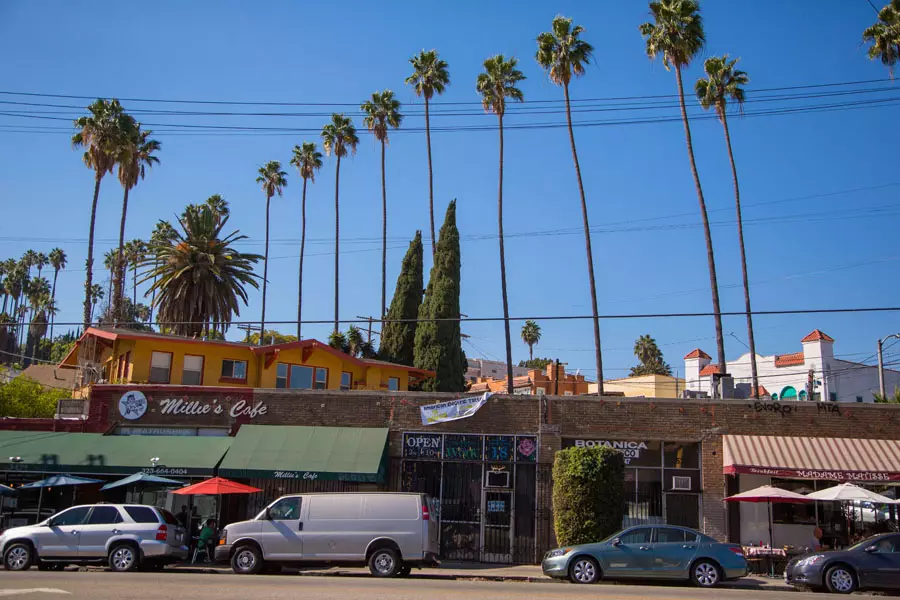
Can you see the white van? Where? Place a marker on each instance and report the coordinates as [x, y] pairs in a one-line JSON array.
[[389, 532]]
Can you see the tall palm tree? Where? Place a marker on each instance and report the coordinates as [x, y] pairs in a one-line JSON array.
[[58, 262], [338, 138], [164, 233], [382, 112], [308, 161], [219, 204], [111, 264], [562, 54], [429, 76], [496, 84], [29, 259], [273, 180], [40, 261], [101, 134], [135, 253], [136, 155], [531, 335], [678, 36], [96, 296], [885, 36], [199, 275], [723, 83]]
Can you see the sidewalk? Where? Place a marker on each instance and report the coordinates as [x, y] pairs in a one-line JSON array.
[[486, 572]]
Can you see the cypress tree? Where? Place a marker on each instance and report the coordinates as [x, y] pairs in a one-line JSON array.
[[398, 335], [438, 343]]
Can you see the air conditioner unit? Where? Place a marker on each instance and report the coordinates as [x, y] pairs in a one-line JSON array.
[[497, 479], [682, 484]]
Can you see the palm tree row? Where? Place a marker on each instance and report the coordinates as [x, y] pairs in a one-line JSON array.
[[23, 294]]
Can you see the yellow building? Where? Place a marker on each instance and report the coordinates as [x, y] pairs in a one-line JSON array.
[[123, 356], [643, 386]]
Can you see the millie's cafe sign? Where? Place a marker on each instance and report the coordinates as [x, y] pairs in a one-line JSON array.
[[133, 405]]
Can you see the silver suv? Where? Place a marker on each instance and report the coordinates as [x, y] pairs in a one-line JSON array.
[[125, 536]]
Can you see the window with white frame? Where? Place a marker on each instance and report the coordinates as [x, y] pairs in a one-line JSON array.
[[160, 367], [192, 371], [346, 380]]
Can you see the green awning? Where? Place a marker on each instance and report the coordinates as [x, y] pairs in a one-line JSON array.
[[93, 453], [283, 452]]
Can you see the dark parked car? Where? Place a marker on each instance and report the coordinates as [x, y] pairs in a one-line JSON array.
[[649, 552], [873, 563]]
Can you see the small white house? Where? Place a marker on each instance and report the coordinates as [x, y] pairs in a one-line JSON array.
[[788, 376]]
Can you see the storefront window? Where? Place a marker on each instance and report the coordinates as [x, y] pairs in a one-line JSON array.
[[678, 455], [797, 514]]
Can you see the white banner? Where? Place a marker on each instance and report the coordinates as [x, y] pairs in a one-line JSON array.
[[453, 410]]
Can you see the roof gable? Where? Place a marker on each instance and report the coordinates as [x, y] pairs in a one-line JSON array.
[[697, 353], [817, 335]]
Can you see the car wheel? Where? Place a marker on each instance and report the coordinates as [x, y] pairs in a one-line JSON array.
[[584, 570], [705, 574], [385, 562], [123, 558], [839, 579], [404, 571], [247, 560], [18, 557]]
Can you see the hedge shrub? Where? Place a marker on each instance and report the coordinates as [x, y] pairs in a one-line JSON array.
[[588, 494]]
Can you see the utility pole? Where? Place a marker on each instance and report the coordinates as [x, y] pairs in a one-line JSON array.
[[248, 328], [369, 319]]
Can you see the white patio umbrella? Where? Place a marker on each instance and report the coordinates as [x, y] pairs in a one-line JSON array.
[[849, 492]]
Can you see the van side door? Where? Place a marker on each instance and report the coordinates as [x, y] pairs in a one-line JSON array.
[[281, 531], [334, 529]]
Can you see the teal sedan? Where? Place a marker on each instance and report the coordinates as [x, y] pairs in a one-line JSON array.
[[649, 552]]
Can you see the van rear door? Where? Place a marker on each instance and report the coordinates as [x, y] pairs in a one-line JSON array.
[[430, 518]]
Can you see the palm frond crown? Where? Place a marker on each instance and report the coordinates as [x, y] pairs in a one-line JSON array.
[[884, 36], [677, 33], [498, 82], [382, 112], [339, 137], [562, 53], [723, 83], [430, 74], [272, 179], [308, 160]]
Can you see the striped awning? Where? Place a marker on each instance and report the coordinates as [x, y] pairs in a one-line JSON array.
[[839, 459]]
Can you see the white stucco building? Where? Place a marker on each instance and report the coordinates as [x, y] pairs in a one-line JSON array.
[[493, 369], [787, 376]]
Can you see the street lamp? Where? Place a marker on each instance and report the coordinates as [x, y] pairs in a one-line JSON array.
[[881, 363]]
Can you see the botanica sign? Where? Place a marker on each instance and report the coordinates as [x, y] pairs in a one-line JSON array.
[[193, 408]]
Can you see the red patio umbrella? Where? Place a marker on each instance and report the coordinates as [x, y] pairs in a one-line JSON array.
[[769, 494], [216, 487]]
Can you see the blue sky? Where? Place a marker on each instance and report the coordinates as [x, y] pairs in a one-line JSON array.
[[809, 246]]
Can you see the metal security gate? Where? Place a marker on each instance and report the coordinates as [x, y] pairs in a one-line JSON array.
[[497, 526]]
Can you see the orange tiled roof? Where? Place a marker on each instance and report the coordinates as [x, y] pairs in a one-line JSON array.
[[710, 370], [763, 391], [818, 335], [696, 353], [790, 360]]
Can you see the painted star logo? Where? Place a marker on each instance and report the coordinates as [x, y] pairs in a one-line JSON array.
[[133, 405]]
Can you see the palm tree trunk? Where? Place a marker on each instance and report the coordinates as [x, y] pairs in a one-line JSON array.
[[383, 236], [53, 299], [337, 239], [598, 356], [430, 179], [710, 258], [509, 370], [134, 287], [302, 248], [113, 274], [89, 262], [530, 352], [754, 379], [262, 319]]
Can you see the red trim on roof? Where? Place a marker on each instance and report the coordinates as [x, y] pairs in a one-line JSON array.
[[710, 370], [818, 335], [304, 344], [697, 353], [790, 360]]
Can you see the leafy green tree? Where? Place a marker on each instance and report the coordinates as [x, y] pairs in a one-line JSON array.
[[102, 134], [588, 494], [131, 316], [62, 345], [430, 76], [308, 161], [888, 399], [724, 83], [338, 341], [271, 337], [338, 138], [136, 155], [650, 357], [884, 36], [398, 333], [536, 363], [438, 341], [201, 278], [58, 262], [382, 112], [495, 85], [531, 335], [677, 35], [562, 53], [273, 180], [24, 398]]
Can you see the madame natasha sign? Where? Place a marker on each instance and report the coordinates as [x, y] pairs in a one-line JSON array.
[[134, 404]]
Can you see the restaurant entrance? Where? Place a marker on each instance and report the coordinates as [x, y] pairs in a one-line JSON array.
[[484, 488]]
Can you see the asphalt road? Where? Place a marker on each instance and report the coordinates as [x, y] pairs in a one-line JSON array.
[[96, 585]]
